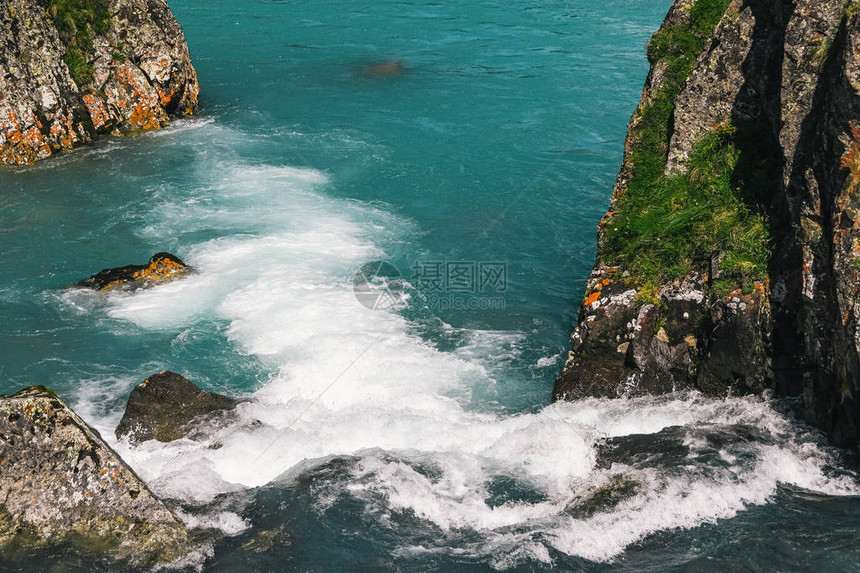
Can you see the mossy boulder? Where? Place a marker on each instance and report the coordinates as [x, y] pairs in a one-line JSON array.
[[165, 407], [61, 484], [161, 267]]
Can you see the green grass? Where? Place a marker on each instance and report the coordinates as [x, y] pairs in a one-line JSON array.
[[79, 22], [665, 226], [683, 219]]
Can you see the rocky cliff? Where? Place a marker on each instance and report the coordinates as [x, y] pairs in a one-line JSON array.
[[729, 260], [73, 69]]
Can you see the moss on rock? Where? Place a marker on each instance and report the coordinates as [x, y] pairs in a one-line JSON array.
[[79, 22], [667, 225]]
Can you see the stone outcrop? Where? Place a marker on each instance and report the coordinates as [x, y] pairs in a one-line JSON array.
[[60, 483], [165, 407], [69, 73], [161, 267], [785, 75]]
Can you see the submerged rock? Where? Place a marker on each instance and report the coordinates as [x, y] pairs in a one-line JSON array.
[[161, 266], [163, 407], [384, 69], [61, 483], [72, 70], [267, 540], [604, 498]]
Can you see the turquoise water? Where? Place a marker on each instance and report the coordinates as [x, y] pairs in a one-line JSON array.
[[418, 437]]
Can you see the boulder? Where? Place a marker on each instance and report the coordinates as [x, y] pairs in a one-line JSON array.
[[60, 483], [161, 266], [163, 407]]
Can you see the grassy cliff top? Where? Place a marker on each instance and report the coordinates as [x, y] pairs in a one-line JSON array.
[[667, 225]]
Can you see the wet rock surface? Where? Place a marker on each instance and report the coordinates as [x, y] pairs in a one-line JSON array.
[[60, 483], [603, 498], [161, 267], [135, 74], [678, 446], [166, 407]]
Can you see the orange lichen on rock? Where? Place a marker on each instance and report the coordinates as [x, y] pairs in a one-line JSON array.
[[192, 93], [62, 132], [166, 96], [592, 298], [138, 107], [851, 158], [161, 266], [21, 139], [96, 108], [159, 269]]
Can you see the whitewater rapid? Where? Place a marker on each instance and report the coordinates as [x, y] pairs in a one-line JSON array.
[[276, 283]]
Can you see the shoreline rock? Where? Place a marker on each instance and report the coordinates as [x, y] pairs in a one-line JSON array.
[[61, 483], [121, 66]]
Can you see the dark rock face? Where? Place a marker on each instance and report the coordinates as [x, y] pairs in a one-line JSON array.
[[61, 483], [686, 339], [163, 407], [631, 347], [786, 74], [138, 72], [161, 266]]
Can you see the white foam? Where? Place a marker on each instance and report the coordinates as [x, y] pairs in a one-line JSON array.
[[546, 361], [226, 521], [348, 380]]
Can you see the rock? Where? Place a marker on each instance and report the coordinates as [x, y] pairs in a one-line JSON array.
[[678, 446], [603, 498], [384, 69], [664, 448], [783, 81], [161, 267], [72, 70], [163, 407], [654, 357], [267, 540], [62, 484]]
